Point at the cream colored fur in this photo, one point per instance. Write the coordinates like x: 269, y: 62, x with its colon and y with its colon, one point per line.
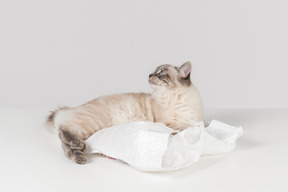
x: 178, y: 107
x: 104, y: 112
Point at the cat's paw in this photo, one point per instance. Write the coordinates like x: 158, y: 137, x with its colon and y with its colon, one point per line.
x: 78, y: 145
x: 80, y: 157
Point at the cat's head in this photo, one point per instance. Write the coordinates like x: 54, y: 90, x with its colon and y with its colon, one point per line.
x: 169, y: 76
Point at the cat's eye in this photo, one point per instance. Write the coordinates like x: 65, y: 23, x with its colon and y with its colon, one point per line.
x: 162, y: 73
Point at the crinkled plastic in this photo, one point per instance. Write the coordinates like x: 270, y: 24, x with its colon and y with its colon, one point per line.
x: 152, y: 146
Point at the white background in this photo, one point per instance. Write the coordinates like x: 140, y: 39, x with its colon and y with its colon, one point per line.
x: 60, y: 52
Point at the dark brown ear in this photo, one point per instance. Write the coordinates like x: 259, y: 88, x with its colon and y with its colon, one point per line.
x: 185, y: 70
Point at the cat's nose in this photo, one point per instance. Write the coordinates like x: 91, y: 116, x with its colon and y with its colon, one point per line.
x: 151, y: 75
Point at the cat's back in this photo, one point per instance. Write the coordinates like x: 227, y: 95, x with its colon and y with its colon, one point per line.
x: 120, y: 108
x: 121, y: 102
x: 104, y: 111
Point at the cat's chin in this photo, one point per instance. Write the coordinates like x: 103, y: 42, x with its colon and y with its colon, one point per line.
x: 154, y: 83
x: 155, y: 86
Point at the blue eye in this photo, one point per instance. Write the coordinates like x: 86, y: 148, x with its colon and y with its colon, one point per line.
x: 162, y: 73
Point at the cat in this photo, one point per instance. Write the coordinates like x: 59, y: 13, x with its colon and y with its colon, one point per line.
x: 174, y: 101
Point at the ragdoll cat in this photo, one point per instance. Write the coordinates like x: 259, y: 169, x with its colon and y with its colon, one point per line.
x: 174, y: 101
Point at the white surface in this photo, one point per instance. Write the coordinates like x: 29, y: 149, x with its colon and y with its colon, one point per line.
x: 32, y: 159
x: 69, y: 51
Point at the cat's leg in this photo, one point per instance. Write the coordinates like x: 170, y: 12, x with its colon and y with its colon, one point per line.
x: 74, y: 147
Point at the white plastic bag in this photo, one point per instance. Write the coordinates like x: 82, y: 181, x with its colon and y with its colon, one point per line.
x: 151, y: 146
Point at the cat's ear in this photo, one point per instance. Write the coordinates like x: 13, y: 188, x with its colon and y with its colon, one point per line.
x: 185, y: 70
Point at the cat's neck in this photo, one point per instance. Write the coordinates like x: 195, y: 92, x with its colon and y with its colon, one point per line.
x: 177, y: 108
x: 166, y: 96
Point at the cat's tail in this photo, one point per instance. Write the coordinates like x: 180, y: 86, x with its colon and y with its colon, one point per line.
x: 50, y: 121
x: 50, y: 125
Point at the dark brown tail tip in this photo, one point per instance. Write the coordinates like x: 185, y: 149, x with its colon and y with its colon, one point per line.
x: 51, y: 117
